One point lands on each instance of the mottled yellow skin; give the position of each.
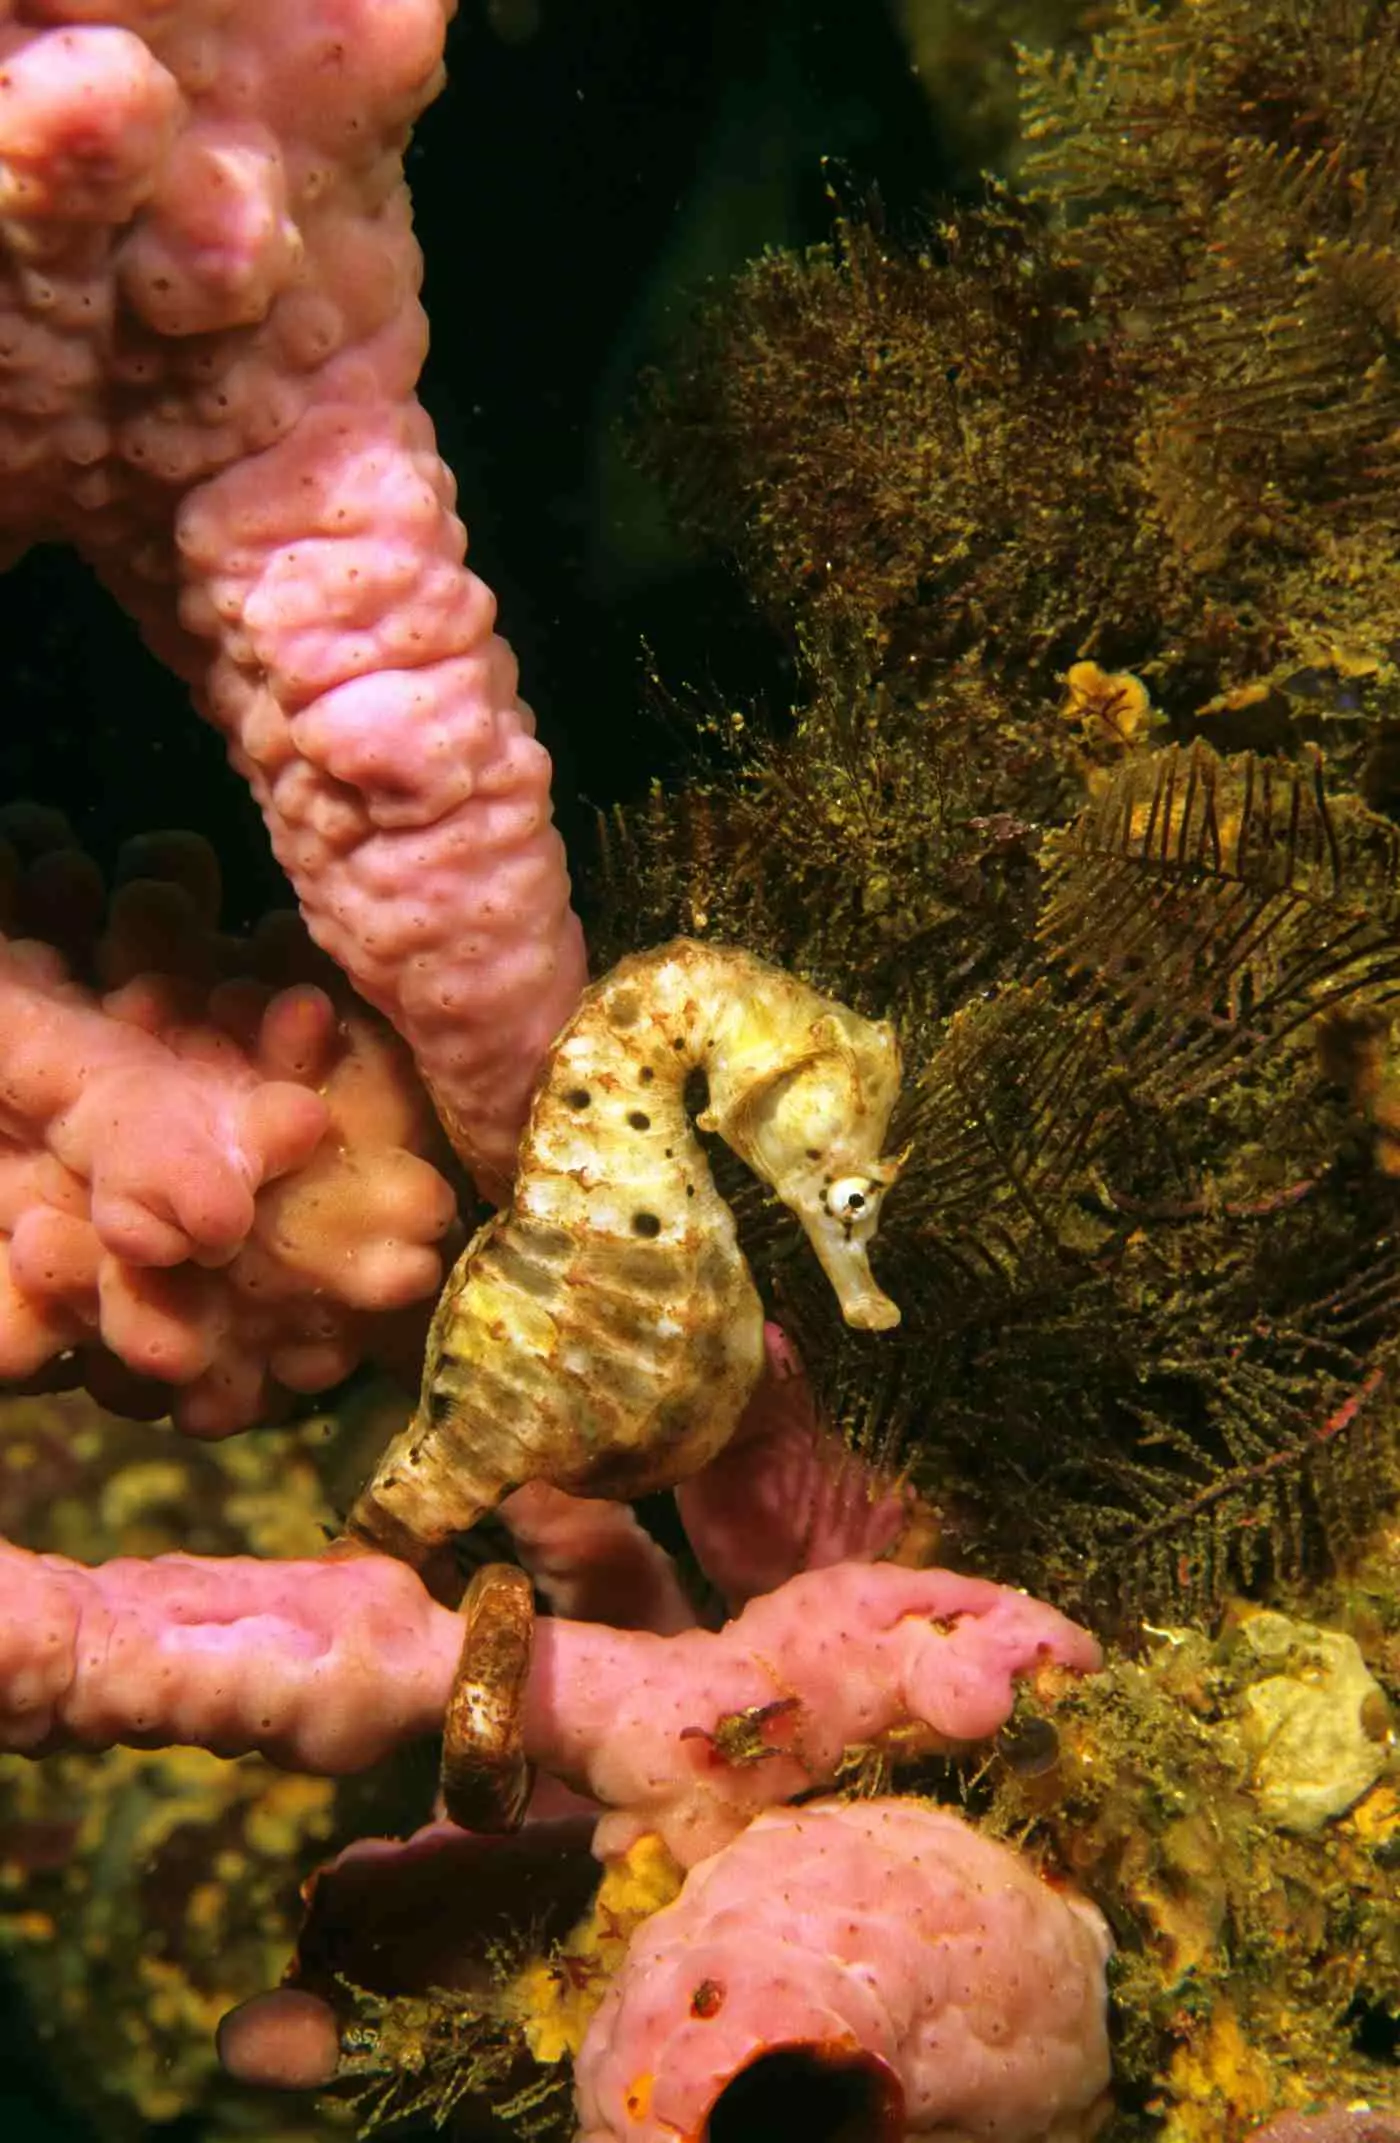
(604, 1333)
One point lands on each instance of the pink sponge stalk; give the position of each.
(879, 1960)
(320, 1666)
(786, 1494)
(592, 1560)
(211, 327)
(325, 1666)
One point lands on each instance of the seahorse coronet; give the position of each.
(604, 1332)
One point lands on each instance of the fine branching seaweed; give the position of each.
(1145, 409)
(1079, 508)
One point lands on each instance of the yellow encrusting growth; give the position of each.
(554, 1997)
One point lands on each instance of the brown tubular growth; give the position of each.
(486, 1778)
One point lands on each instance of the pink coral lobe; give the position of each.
(786, 1494)
(326, 1665)
(321, 1666)
(834, 1658)
(284, 2041)
(883, 1942)
(212, 1190)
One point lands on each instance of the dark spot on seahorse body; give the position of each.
(646, 1075)
(679, 1043)
(578, 1097)
(624, 1008)
(814, 1153)
(690, 1190)
(708, 1999)
(639, 1120)
(645, 1224)
(696, 1092)
(439, 1405)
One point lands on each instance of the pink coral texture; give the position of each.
(906, 1965)
(326, 1666)
(689, 1735)
(211, 337)
(786, 1494)
(210, 1190)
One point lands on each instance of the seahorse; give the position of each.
(604, 1332)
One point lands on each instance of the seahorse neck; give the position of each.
(732, 1016)
(613, 1105)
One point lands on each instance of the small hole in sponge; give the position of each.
(798, 2094)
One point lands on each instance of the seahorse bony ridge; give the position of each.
(605, 1333)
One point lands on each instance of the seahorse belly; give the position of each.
(605, 1335)
(608, 1369)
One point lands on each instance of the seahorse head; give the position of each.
(813, 1125)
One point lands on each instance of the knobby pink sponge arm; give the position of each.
(325, 1665)
(376, 716)
(959, 1994)
(593, 1560)
(786, 1494)
(210, 1192)
(320, 1666)
(834, 1658)
(209, 312)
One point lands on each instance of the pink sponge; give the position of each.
(881, 1956)
(211, 336)
(688, 1735)
(327, 1664)
(210, 1191)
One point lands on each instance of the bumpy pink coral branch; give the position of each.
(593, 1561)
(690, 1735)
(324, 1666)
(211, 335)
(321, 1666)
(933, 1984)
(204, 1184)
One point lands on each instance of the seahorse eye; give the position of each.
(848, 1197)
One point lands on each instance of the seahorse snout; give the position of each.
(839, 1217)
(846, 1263)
